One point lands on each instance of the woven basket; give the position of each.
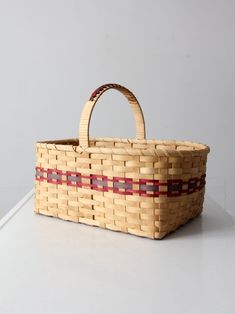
(144, 187)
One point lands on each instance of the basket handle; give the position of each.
(89, 106)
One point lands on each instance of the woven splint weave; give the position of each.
(145, 187)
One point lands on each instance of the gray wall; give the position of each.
(176, 56)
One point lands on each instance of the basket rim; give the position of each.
(197, 149)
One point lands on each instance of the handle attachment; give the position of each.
(89, 106)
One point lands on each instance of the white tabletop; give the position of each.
(52, 266)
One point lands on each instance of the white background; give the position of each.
(178, 57)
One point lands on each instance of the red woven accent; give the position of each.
(99, 90)
(68, 180)
(56, 172)
(150, 183)
(121, 185)
(123, 190)
(102, 180)
(39, 178)
(172, 184)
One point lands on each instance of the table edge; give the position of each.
(6, 218)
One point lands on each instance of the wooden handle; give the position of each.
(89, 106)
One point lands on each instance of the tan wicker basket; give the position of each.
(144, 187)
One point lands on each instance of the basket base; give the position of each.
(139, 233)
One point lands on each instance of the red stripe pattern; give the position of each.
(121, 185)
(99, 90)
(103, 88)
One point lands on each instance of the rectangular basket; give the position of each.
(144, 187)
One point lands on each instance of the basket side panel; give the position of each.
(173, 213)
(148, 196)
(104, 197)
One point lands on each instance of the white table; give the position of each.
(52, 266)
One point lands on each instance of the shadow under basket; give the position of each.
(144, 187)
